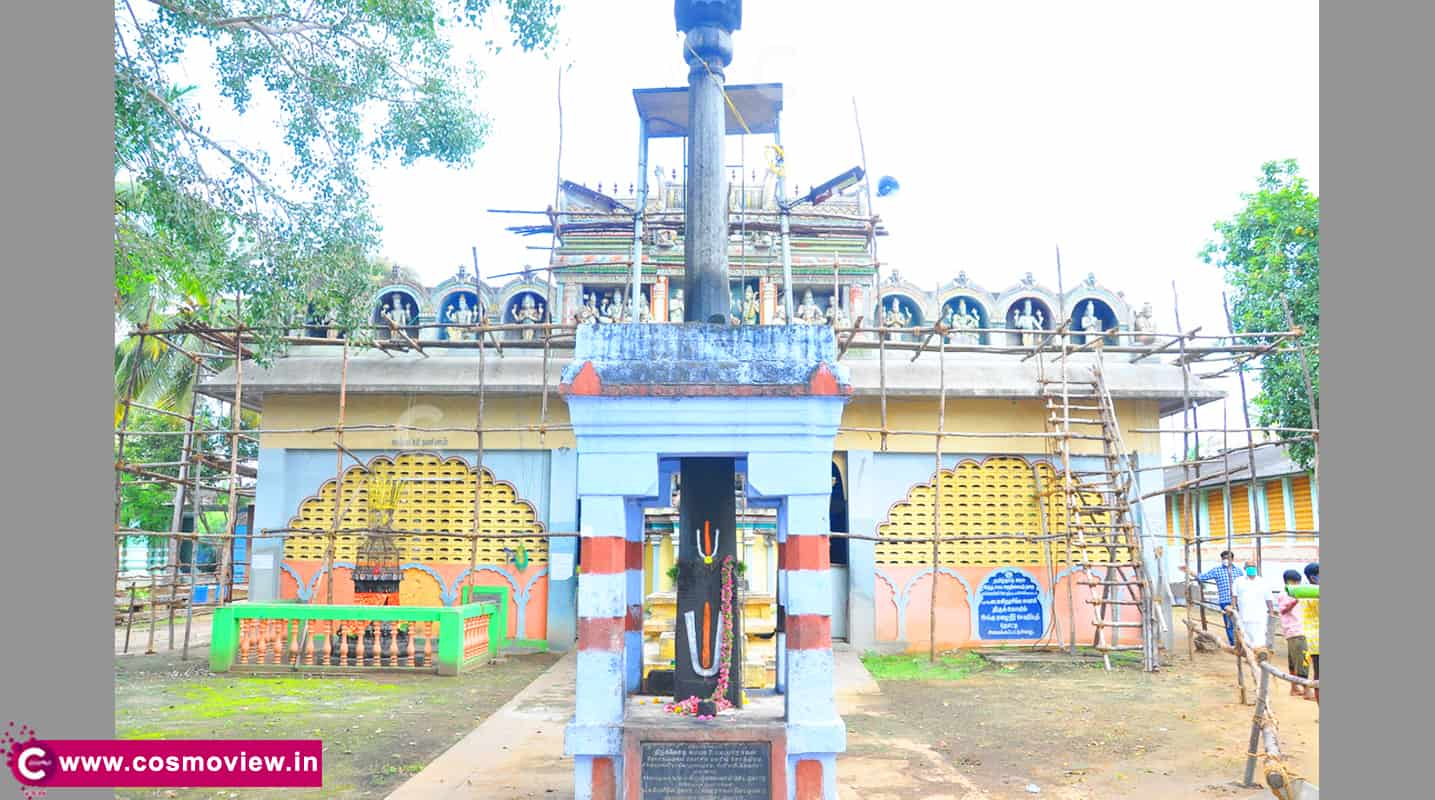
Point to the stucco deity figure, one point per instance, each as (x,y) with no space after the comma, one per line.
(528,314)
(779,316)
(460,314)
(587,313)
(896,316)
(963,323)
(1028,322)
(808,312)
(675,308)
(1145,327)
(834,315)
(607,310)
(1090,323)
(400,314)
(621,311)
(645,312)
(749,306)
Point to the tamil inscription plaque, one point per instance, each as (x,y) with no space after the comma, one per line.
(707,771)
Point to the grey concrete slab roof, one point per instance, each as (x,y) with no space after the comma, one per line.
(1271,461)
(520,372)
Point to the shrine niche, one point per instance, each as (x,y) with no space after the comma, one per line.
(528,308)
(1092,318)
(397,307)
(1096,309)
(965,317)
(1026,318)
(900,311)
(459,309)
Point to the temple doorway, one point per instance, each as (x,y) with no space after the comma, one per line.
(838,549)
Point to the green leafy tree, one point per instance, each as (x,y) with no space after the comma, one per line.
(1270,253)
(148,506)
(201,215)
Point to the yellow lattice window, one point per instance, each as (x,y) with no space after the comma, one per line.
(994,497)
(1276,506)
(1240,508)
(1216,510)
(1172,524)
(438,497)
(1300,494)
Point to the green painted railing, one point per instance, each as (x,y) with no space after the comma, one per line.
(443,639)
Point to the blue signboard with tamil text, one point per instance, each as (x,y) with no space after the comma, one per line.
(1009,606)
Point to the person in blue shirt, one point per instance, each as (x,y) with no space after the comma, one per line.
(1223,575)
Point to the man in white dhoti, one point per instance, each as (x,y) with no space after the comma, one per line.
(1253,606)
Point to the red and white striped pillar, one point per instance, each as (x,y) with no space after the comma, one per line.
(815,732)
(594,738)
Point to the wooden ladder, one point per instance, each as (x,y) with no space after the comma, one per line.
(1097,502)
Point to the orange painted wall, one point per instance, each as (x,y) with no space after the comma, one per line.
(419,585)
(954,617)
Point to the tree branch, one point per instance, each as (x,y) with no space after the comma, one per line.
(255,22)
(185,126)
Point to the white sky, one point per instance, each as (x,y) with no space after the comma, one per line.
(1119,131)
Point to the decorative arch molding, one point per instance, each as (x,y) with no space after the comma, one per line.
(1091,289)
(451,591)
(916,301)
(418,294)
(442,503)
(510,298)
(905,598)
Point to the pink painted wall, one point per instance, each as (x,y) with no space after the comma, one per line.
(954,613)
(535,613)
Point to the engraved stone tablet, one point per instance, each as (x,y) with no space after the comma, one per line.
(707,771)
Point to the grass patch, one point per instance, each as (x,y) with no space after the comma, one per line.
(259,696)
(907,667)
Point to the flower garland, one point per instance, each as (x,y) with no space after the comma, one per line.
(719,695)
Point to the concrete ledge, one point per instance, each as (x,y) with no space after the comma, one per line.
(701,359)
(592,740)
(521,373)
(817,737)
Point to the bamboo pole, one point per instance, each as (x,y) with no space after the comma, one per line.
(1188,419)
(1064,447)
(881,359)
(130,622)
(937,504)
(338,478)
(176,520)
(225,579)
(1309,394)
(153,609)
(478,466)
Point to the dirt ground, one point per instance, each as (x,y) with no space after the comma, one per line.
(1077,732)
(377,730)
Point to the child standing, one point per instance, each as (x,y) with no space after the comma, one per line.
(1294,632)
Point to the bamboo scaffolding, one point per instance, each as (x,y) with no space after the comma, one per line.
(1190,347)
(338,478)
(937,504)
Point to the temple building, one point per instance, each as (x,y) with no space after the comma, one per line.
(1208,504)
(997,469)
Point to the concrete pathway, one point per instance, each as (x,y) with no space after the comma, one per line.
(518,751)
